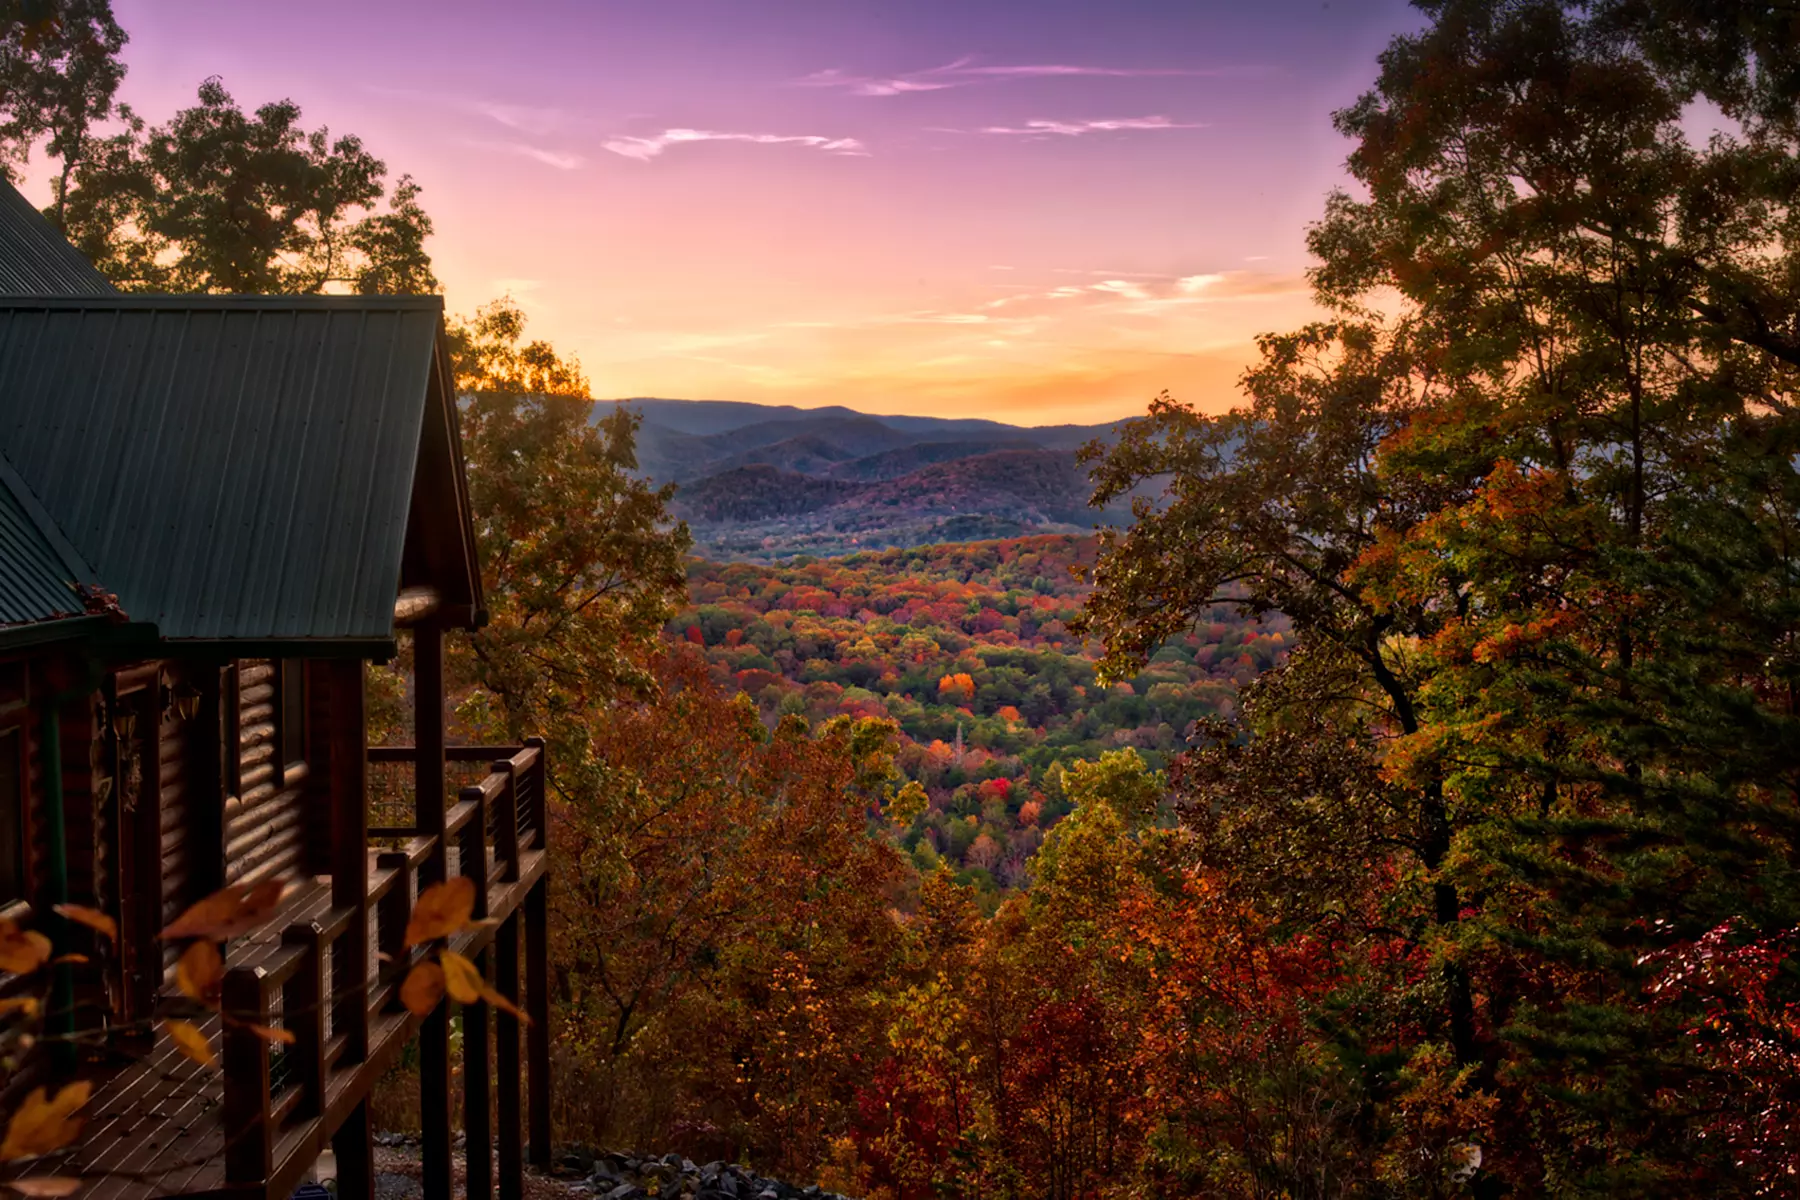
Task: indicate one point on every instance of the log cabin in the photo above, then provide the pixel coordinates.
(215, 511)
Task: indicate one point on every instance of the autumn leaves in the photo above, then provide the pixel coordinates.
(50, 1122)
(443, 910)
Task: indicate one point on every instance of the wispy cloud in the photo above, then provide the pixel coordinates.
(966, 71)
(527, 119)
(559, 159)
(1078, 128)
(533, 120)
(646, 148)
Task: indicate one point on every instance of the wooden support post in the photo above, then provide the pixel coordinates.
(249, 1140)
(347, 792)
(217, 753)
(537, 1007)
(354, 1146)
(434, 1031)
(428, 735)
(477, 1135)
(140, 887)
(506, 1061)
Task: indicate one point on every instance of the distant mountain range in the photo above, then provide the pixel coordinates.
(760, 482)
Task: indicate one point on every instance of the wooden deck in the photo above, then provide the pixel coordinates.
(327, 969)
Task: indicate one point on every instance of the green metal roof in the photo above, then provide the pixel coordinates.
(232, 467)
(38, 570)
(36, 260)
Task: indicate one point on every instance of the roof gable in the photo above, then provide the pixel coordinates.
(36, 260)
(234, 468)
(39, 571)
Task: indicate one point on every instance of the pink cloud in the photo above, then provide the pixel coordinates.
(646, 148)
(966, 71)
(1044, 128)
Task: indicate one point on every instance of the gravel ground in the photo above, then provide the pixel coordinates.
(397, 1177)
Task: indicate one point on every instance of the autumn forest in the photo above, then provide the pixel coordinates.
(1402, 801)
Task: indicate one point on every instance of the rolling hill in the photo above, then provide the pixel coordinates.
(762, 482)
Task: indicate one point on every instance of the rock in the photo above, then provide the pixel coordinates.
(626, 1191)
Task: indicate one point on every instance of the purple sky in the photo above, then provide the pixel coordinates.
(1035, 210)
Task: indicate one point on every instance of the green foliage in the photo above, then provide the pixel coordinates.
(220, 200)
(59, 72)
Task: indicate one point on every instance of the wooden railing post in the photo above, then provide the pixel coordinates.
(303, 1015)
(506, 820)
(249, 1140)
(391, 916)
(539, 824)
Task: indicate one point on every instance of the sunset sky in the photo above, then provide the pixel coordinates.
(1032, 210)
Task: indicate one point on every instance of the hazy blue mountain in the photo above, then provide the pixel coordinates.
(765, 481)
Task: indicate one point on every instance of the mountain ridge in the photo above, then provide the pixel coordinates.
(763, 482)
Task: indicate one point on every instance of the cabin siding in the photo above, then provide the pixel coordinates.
(266, 821)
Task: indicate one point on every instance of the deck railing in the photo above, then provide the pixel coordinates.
(494, 827)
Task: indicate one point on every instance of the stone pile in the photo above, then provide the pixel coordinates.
(626, 1177)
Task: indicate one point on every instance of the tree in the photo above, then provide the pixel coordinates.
(59, 72)
(1620, 298)
(721, 916)
(1268, 508)
(581, 563)
(219, 200)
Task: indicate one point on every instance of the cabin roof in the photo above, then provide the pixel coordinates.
(39, 571)
(242, 468)
(36, 260)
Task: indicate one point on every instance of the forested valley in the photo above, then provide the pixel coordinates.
(1405, 802)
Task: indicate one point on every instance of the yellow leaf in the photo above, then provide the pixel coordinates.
(190, 1041)
(461, 978)
(43, 1125)
(284, 1036)
(228, 912)
(22, 951)
(501, 1002)
(199, 973)
(93, 918)
(22, 1004)
(46, 1185)
(443, 909)
(423, 988)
